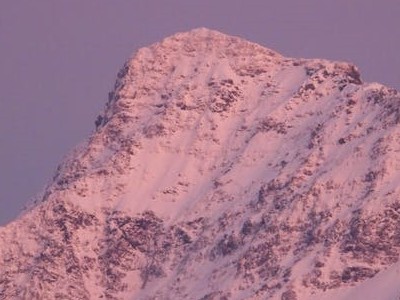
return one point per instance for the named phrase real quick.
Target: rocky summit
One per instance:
(220, 169)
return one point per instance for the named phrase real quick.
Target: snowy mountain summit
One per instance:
(221, 170)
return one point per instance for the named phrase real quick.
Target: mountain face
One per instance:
(220, 170)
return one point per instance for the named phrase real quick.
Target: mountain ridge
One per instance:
(218, 170)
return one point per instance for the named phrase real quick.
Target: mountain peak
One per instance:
(205, 36)
(200, 33)
(220, 170)
(203, 41)
(200, 55)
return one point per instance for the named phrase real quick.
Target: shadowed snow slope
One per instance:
(220, 170)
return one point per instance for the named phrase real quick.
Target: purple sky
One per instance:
(58, 61)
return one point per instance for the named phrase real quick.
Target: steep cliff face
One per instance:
(220, 170)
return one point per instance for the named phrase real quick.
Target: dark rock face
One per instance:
(225, 93)
(374, 238)
(55, 264)
(289, 295)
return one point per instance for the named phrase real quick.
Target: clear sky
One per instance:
(58, 61)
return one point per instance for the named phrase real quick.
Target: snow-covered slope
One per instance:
(220, 170)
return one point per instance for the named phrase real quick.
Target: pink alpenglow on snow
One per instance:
(220, 170)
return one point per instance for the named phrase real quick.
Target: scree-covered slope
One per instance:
(220, 169)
